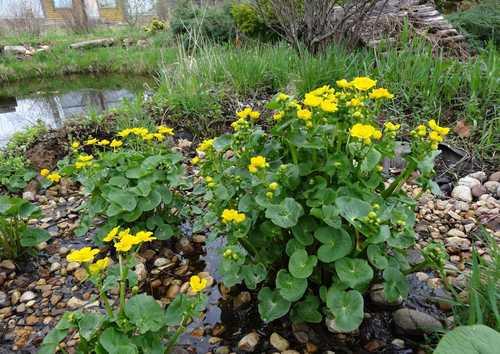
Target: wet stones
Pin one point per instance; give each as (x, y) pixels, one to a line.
(249, 342)
(27, 296)
(463, 193)
(279, 342)
(414, 322)
(378, 298)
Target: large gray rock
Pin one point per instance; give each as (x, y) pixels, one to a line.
(103, 42)
(462, 193)
(415, 322)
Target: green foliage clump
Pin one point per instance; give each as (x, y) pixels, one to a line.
(482, 21)
(196, 22)
(15, 172)
(16, 237)
(155, 26)
(247, 20)
(303, 204)
(21, 141)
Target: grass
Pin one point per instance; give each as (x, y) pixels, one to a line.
(61, 60)
(425, 85)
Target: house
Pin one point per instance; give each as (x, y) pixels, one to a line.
(53, 11)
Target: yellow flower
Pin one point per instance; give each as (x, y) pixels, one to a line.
(44, 172)
(54, 177)
(278, 115)
(358, 114)
(159, 136)
(197, 284)
(83, 255)
(435, 137)
(148, 136)
(239, 124)
(125, 132)
(99, 265)
(205, 145)
(256, 163)
(126, 242)
(269, 195)
(144, 236)
(421, 130)
(244, 113)
(304, 114)
(312, 100)
(116, 143)
(365, 132)
(355, 102)
(112, 234)
(165, 130)
(328, 106)
(282, 97)
(363, 83)
(103, 142)
(209, 179)
(140, 131)
(231, 215)
(381, 93)
(79, 165)
(438, 129)
(75, 145)
(91, 141)
(195, 160)
(343, 83)
(273, 186)
(391, 126)
(254, 115)
(85, 158)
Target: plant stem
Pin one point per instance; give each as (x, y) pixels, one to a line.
(176, 336)
(105, 300)
(123, 280)
(248, 246)
(398, 182)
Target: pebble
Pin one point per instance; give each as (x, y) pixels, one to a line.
(249, 342)
(160, 262)
(3, 299)
(495, 177)
(398, 343)
(478, 191)
(75, 303)
(492, 186)
(279, 342)
(242, 298)
(468, 181)
(80, 274)
(141, 272)
(7, 264)
(27, 296)
(462, 193)
(72, 266)
(414, 322)
(456, 233)
(479, 175)
(456, 244)
(378, 298)
(55, 267)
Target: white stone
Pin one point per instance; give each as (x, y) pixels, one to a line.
(479, 175)
(468, 181)
(279, 342)
(456, 233)
(249, 342)
(27, 296)
(462, 193)
(492, 186)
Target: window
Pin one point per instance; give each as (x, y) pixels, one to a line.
(63, 4)
(106, 4)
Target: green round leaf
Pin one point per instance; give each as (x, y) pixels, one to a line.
(308, 310)
(302, 232)
(354, 272)
(286, 214)
(376, 257)
(477, 339)
(347, 307)
(127, 201)
(115, 342)
(150, 202)
(253, 274)
(32, 237)
(292, 245)
(301, 265)
(290, 288)
(336, 244)
(143, 311)
(271, 305)
(395, 285)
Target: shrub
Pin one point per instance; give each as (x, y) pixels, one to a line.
(214, 23)
(155, 26)
(15, 172)
(133, 179)
(304, 205)
(248, 21)
(16, 237)
(134, 325)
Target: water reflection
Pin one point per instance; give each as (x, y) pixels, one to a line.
(17, 114)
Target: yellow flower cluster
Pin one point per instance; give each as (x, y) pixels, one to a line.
(365, 132)
(256, 163)
(124, 240)
(379, 93)
(83, 161)
(231, 215)
(83, 255)
(362, 83)
(197, 283)
(205, 145)
(248, 113)
(53, 177)
(437, 133)
(160, 134)
(99, 265)
(75, 145)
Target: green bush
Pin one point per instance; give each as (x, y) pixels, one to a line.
(196, 22)
(16, 237)
(247, 20)
(15, 172)
(482, 21)
(303, 204)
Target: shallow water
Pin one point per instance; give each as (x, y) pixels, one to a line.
(53, 101)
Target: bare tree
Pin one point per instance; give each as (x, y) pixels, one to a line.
(315, 23)
(24, 19)
(77, 18)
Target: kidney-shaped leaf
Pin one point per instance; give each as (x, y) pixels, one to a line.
(301, 265)
(286, 214)
(347, 307)
(352, 208)
(115, 342)
(271, 305)
(354, 272)
(290, 288)
(143, 311)
(308, 310)
(395, 285)
(477, 339)
(32, 237)
(336, 243)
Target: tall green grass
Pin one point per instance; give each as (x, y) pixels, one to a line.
(425, 84)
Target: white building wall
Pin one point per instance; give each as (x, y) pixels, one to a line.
(20, 8)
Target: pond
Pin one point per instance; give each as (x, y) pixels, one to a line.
(53, 101)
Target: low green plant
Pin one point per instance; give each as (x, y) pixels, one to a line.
(156, 25)
(135, 324)
(15, 172)
(16, 237)
(307, 215)
(133, 179)
(22, 140)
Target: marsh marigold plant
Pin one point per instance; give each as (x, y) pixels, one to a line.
(308, 218)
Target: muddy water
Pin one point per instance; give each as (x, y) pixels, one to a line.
(53, 101)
